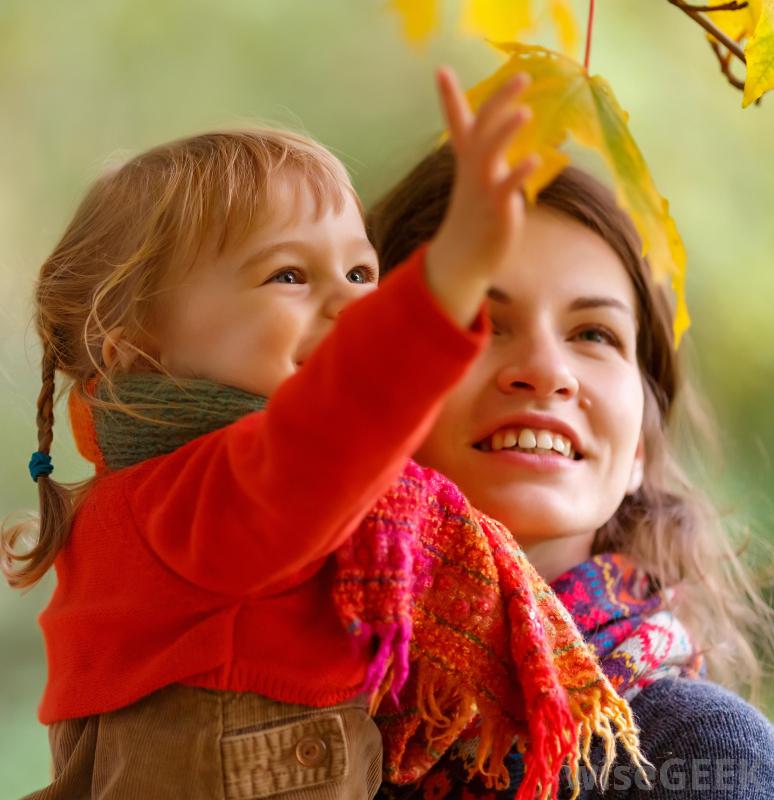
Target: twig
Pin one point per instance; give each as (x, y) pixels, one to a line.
(724, 59)
(711, 28)
(734, 5)
(589, 28)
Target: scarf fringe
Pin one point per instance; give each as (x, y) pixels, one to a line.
(555, 740)
(604, 713)
(446, 709)
(389, 668)
(496, 740)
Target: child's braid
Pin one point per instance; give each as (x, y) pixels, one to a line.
(24, 565)
(45, 415)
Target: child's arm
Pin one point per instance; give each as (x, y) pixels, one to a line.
(255, 506)
(250, 505)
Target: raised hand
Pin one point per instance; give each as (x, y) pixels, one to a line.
(482, 227)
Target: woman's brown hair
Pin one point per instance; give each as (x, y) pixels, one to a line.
(135, 233)
(669, 526)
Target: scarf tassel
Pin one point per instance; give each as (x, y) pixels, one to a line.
(389, 667)
(552, 744)
(600, 710)
(445, 710)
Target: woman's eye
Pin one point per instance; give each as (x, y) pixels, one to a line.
(287, 276)
(602, 335)
(362, 275)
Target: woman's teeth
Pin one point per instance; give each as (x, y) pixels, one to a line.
(528, 441)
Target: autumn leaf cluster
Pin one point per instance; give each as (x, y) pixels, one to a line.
(570, 103)
(751, 23)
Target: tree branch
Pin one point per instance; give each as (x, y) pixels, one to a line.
(711, 28)
(724, 59)
(734, 5)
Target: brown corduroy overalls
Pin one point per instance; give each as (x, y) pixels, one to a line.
(201, 744)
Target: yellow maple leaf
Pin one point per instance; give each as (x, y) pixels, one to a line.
(738, 24)
(419, 17)
(753, 25)
(760, 57)
(567, 101)
(566, 26)
(500, 20)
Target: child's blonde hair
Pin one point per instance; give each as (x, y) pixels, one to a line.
(136, 232)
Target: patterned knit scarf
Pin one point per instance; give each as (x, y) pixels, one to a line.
(623, 617)
(466, 628)
(637, 639)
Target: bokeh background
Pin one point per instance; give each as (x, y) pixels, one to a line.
(85, 82)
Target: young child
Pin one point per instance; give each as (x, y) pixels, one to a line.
(195, 638)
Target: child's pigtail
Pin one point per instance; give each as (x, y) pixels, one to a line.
(23, 564)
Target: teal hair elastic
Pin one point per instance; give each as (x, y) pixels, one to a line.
(40, 464)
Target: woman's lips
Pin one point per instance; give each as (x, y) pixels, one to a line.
(538, 462)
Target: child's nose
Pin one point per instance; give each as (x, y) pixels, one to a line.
(340, 297)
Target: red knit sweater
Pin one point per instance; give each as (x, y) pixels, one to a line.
(210, 566)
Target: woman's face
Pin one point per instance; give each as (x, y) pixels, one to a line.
(562, 360)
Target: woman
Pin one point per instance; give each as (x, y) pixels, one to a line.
(632, 548)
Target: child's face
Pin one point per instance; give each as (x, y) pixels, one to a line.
(548, 357)
(250, 315)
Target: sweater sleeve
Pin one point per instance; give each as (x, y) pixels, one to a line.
(255, 506)
(703, 742)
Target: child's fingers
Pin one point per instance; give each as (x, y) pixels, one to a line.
(516, 178)
(499, 106)
(455, 106)
(493, 164)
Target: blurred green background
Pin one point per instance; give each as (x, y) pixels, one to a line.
(91, 80)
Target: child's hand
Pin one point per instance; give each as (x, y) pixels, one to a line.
(482, 227)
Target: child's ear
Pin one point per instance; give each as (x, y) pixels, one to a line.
(117, 350)
(638, 467)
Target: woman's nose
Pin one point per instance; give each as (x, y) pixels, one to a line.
(541, 370)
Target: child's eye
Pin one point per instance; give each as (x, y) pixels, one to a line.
(286, 276)
(362, 275)
(599, 331)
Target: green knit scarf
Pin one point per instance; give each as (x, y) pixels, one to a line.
(173, 413)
